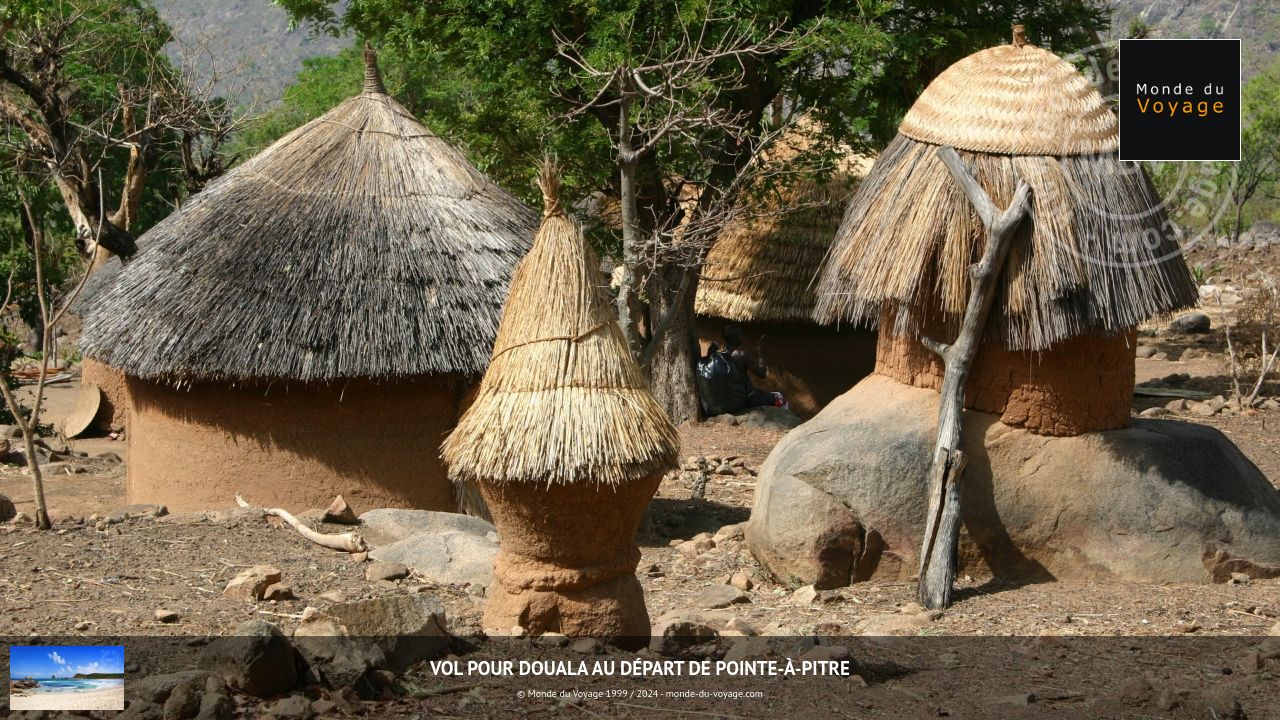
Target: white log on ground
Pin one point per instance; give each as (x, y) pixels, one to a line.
(942, 525)
(349, 542)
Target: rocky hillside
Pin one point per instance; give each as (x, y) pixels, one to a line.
(248, 37)
(1256, 22)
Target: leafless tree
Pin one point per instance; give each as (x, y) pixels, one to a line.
(54, 130)
(705, 96)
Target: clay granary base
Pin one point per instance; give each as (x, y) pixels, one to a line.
(292, 445)
(1080, 385)
(568, 559)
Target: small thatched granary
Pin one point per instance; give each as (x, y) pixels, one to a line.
(309, 324)
(759, 276)
(567, 446)
(1093, 261)
(1061, 482)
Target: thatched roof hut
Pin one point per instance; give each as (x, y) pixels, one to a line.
(1094, 257)
(563, 400)
(1093, 260)
(759, 276)
(351, 272)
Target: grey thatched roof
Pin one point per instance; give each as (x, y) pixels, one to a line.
(359, 245)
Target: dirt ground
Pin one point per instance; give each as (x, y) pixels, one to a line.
(81, 581)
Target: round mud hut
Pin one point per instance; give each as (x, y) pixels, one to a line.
(566, 444)
(310, 324)
(758, 276)
(1061, 482)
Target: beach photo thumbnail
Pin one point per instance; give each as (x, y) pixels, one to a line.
(66, 677)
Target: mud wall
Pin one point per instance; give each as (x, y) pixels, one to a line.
(1081, 385)
(808, 363)
(292, 445)
(114, 410)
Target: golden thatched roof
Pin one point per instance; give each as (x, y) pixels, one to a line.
(359, 245)
(1016, 100)
(761, 268)
(1094, 255)
(563, 400)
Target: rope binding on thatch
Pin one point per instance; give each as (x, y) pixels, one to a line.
(564, 400)
(372, 75)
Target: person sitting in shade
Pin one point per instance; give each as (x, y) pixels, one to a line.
(725, 377)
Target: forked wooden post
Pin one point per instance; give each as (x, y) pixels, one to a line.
(942, 527)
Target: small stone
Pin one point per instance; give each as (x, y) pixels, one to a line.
(748, 648)
(1160, 356)
(251, 583)
(385, 570)
(1251, 662)
(721, 596)
(1239, 578)
(323, 706)
(586, 646)
(167, 616)
(82, 626)
(1146, 351)
(21, 518)
(1177, 405)
(359, 557)
(294, 707)
(673, 633)
(278, 592)
(738, 626)
(7, 510)
(654, 570)
(728, 533)
(1274, 631)
(741, 581)
(1191, 323)
(1135, 690)
(1022, 699)
(726, 469)
(552, 639)
(806, 595)
(723, 419)
(1203, 409)
(332, 596)
(696, 545)
(1270, 404)
(340, 513)
(1155, 412)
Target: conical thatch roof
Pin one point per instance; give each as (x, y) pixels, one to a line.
(1094, 256)
(761, 267)
(563, 400)
(359, 245)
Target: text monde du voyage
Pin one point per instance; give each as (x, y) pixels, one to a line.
(1181, 99)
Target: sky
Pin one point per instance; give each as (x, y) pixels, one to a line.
(42, 661)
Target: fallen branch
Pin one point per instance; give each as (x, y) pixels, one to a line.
(942, 525)
(349, 542)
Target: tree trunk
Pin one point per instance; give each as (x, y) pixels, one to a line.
(671, 367)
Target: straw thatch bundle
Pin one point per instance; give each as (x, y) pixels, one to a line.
(761, 267)
(1094, 256)
(563, 400)
(360, 245)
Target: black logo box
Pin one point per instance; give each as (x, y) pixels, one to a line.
(1187, 68)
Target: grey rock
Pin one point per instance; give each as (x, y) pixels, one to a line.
(1146, 351)
(1190, 323)
(1160, 501)
(333, 658)
(256, 658)
(294, 707)
(769, 418)
(721, 596)
(216, 706)
(385, 526)
(446, 557)
(157, 688)
(748, 648)
(674, 632)
(183, 703)
(7, 510)
(385, 570)
(723, 419)
(408, 628)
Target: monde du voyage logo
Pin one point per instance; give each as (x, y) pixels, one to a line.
(1180, 100)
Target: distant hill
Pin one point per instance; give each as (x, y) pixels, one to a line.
(252, 34)
(1256, 22)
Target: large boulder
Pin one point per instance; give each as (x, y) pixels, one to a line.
(407, 628)
(842, 498)
(389, 525)
(255, 659)
(450, 557)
